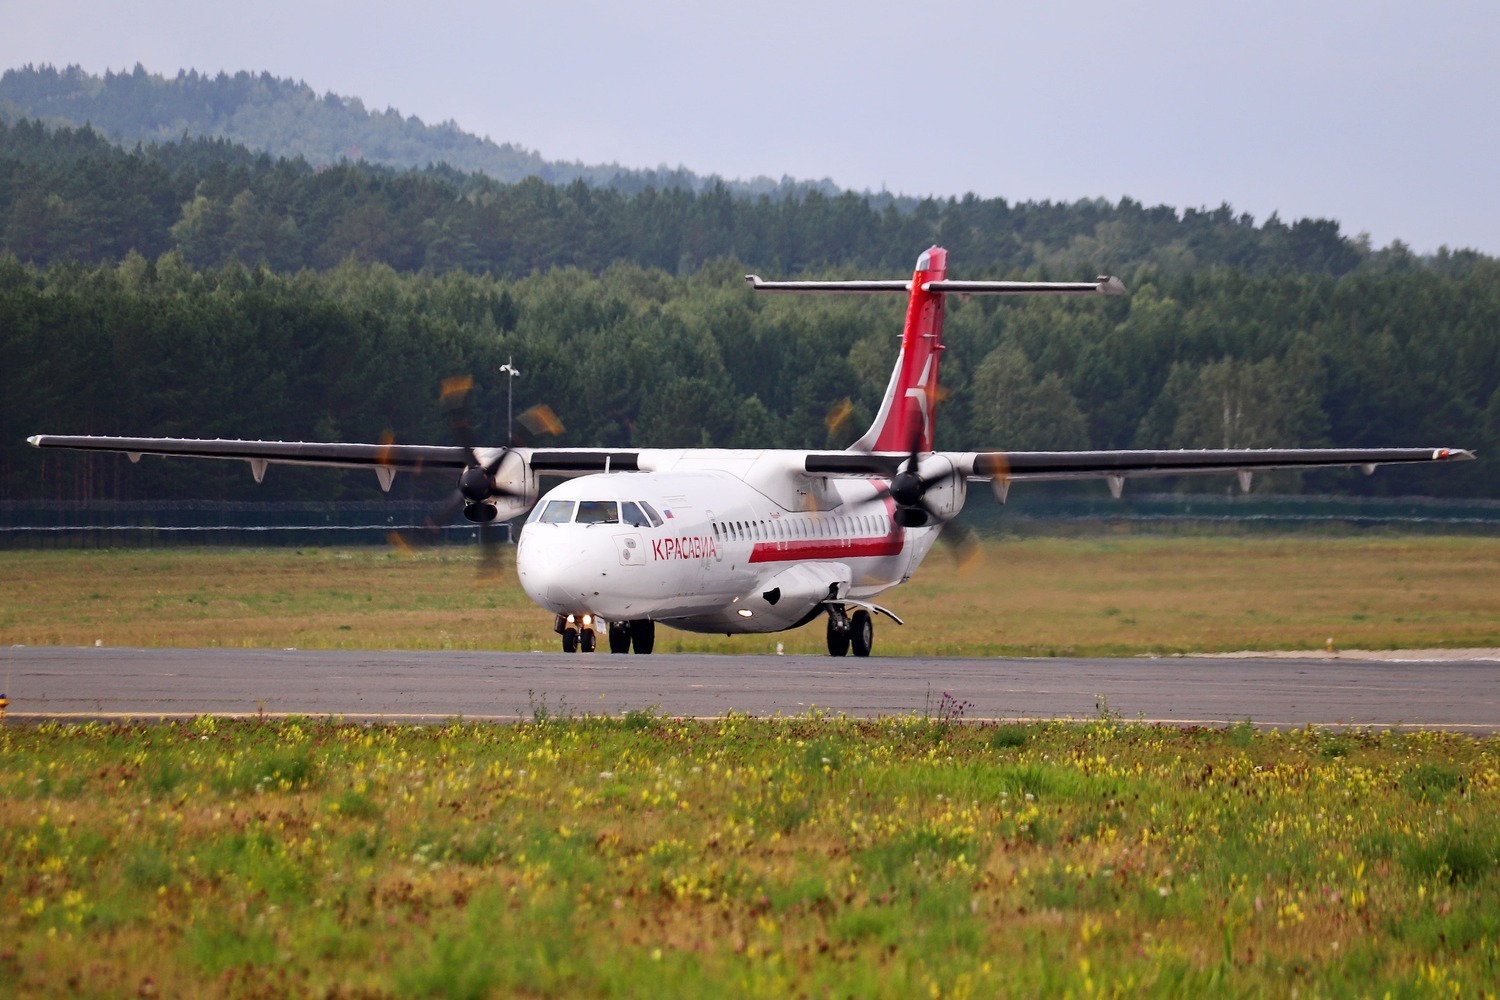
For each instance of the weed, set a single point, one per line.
(1242, 735)
(1429, 781)
(1008, 737)
(1455, 855)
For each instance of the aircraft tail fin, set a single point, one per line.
(906, 420)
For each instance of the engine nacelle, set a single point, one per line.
(945, 488)
(508, 492)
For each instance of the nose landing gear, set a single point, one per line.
(577, 633)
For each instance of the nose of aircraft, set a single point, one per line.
(564, 568)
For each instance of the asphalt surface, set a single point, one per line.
(102, 683)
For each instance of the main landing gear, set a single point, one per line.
(579, 634)
(640, 633)
(846, 631)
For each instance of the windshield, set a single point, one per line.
(637, 514)
(557, 512)
(598, 512)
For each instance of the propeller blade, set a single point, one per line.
(490, 543)
(963, 544)
(997, 467)
(535, 422)
(455, 401)
(838, 416)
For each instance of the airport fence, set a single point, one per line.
(154, 524)
(1031, 510)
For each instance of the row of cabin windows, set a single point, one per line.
(640, 514)
(803, 528)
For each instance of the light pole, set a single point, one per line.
(509, 369)
(510, 434)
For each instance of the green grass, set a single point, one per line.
(642, 856)
(1111, 596)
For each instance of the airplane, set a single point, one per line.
(739, 541)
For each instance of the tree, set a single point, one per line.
(1013, 409)
(1240, 404)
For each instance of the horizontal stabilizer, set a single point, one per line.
(1103, 285)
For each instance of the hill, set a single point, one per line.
(287, 118)
(72, 194)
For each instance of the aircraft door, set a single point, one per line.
(718, 535)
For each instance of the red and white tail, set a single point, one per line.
(907, 414)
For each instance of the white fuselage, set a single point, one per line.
(714, 541)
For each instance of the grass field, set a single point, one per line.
(637, 856)
(643, 857)
(1036, 596)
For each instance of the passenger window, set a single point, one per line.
(631, 515)
(558, 512)
(598, 512)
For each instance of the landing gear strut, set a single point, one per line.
(846, 632)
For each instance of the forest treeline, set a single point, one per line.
(637, 356)
(197, 289)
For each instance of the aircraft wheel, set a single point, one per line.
(861, 633)
(838, 638)
(643, 635)
(619, 637)
(570, 640)
(586, 640)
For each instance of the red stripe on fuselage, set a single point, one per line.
(829, 548)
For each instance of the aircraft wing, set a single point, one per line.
(1052, 465)
(1116, 466)
(384, 459)
(1004, 468)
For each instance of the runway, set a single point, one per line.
(45, 682)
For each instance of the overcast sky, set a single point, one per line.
(1382, 115)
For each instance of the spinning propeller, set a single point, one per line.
(908, 489)
(477, 484)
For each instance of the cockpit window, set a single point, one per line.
(631, 514)
(656, 521)
(598, 512)
(557, 512)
